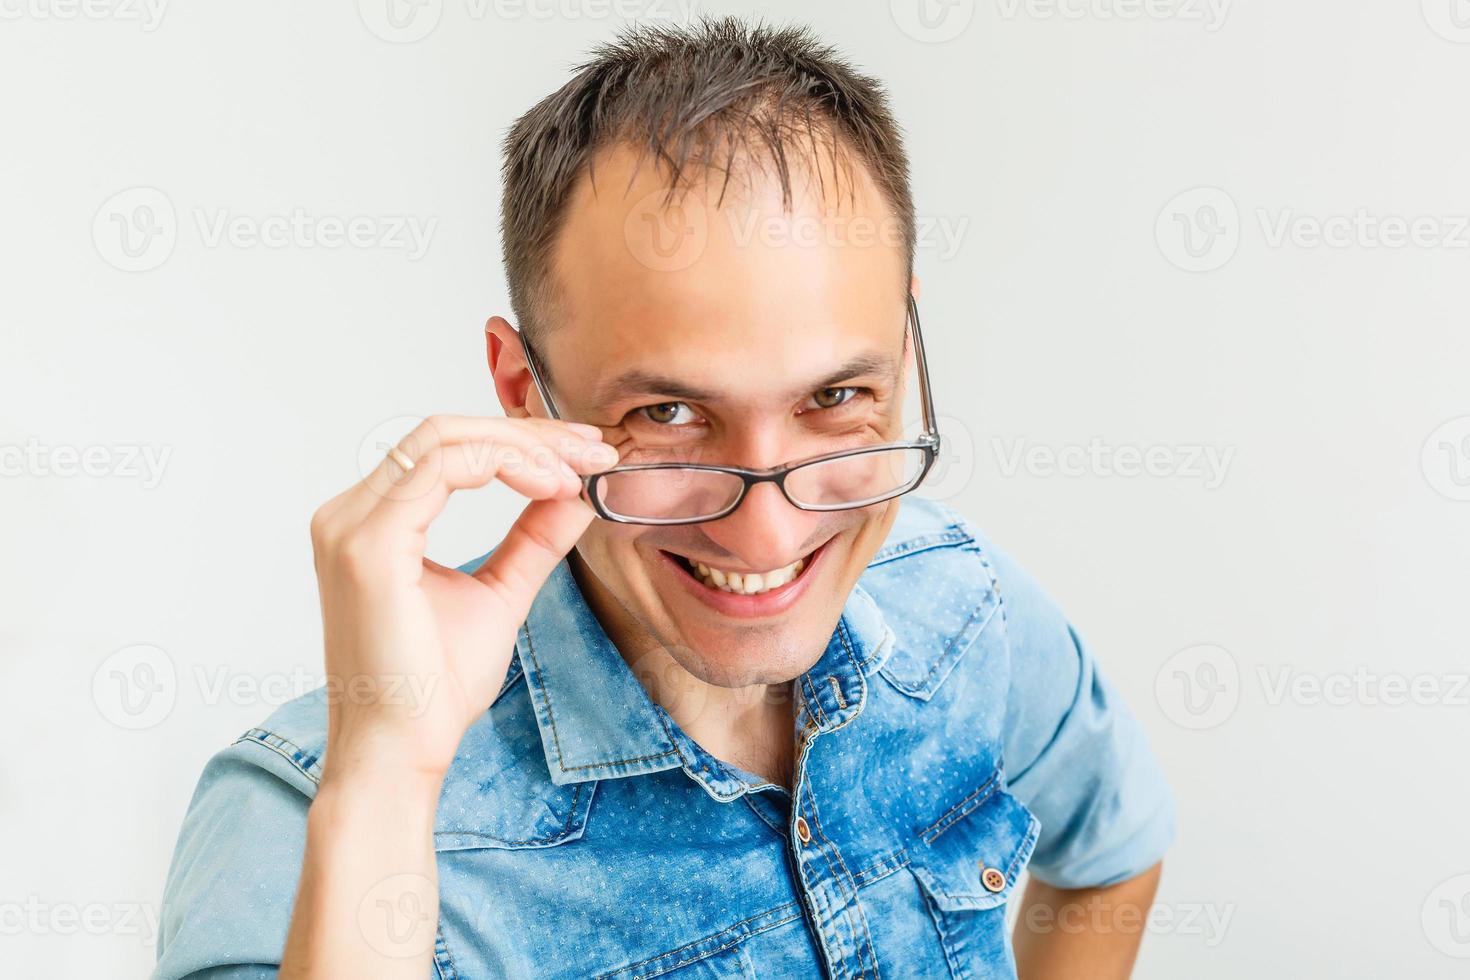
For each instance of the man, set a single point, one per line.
(718, 704)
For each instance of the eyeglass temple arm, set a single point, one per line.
(926, 400)
(536, 377)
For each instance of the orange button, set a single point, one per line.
(992, 879)
(803, 831)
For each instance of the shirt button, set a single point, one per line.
(803, 831)
(992, 879)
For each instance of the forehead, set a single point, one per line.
(745, 291)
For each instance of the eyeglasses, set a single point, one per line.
(691, 493)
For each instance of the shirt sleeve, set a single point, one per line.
(227, 902)
(1074, 753)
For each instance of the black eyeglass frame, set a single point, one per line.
(928, 441)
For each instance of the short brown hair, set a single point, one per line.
(686, 95)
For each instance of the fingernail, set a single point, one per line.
(603, 454)
(590, 431)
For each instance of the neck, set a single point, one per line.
(751, 727)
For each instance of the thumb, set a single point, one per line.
(538, 540)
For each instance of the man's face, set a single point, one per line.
(734, 333)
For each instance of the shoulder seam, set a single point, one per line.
(284, 748)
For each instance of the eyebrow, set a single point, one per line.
(640, 382)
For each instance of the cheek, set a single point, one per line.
(610, 548)
(872, 529)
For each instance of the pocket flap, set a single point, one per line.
(971, 857)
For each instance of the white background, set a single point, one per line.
(1327, 831)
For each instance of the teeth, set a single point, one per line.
(748, 583)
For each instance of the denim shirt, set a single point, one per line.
(954, 732)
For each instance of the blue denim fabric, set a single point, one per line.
(955, 725)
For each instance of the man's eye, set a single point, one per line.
(668, 413)
(832, 397)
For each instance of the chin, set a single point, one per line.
(764, 657)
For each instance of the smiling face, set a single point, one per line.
(735, 332)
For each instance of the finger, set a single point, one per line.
(535, 472)
(538, 540)
(443, 430)
(437, 441)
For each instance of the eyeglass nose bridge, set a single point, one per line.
(750, 479)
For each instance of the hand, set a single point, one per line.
(416, 651)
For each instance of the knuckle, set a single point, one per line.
(425, 436)
(357, 556)
(322, 528)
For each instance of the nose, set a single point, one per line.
(766, 531)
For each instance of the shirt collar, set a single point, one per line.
(597, 721)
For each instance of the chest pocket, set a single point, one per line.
(967, 864)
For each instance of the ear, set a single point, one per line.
(914, 287)
(507, 360)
